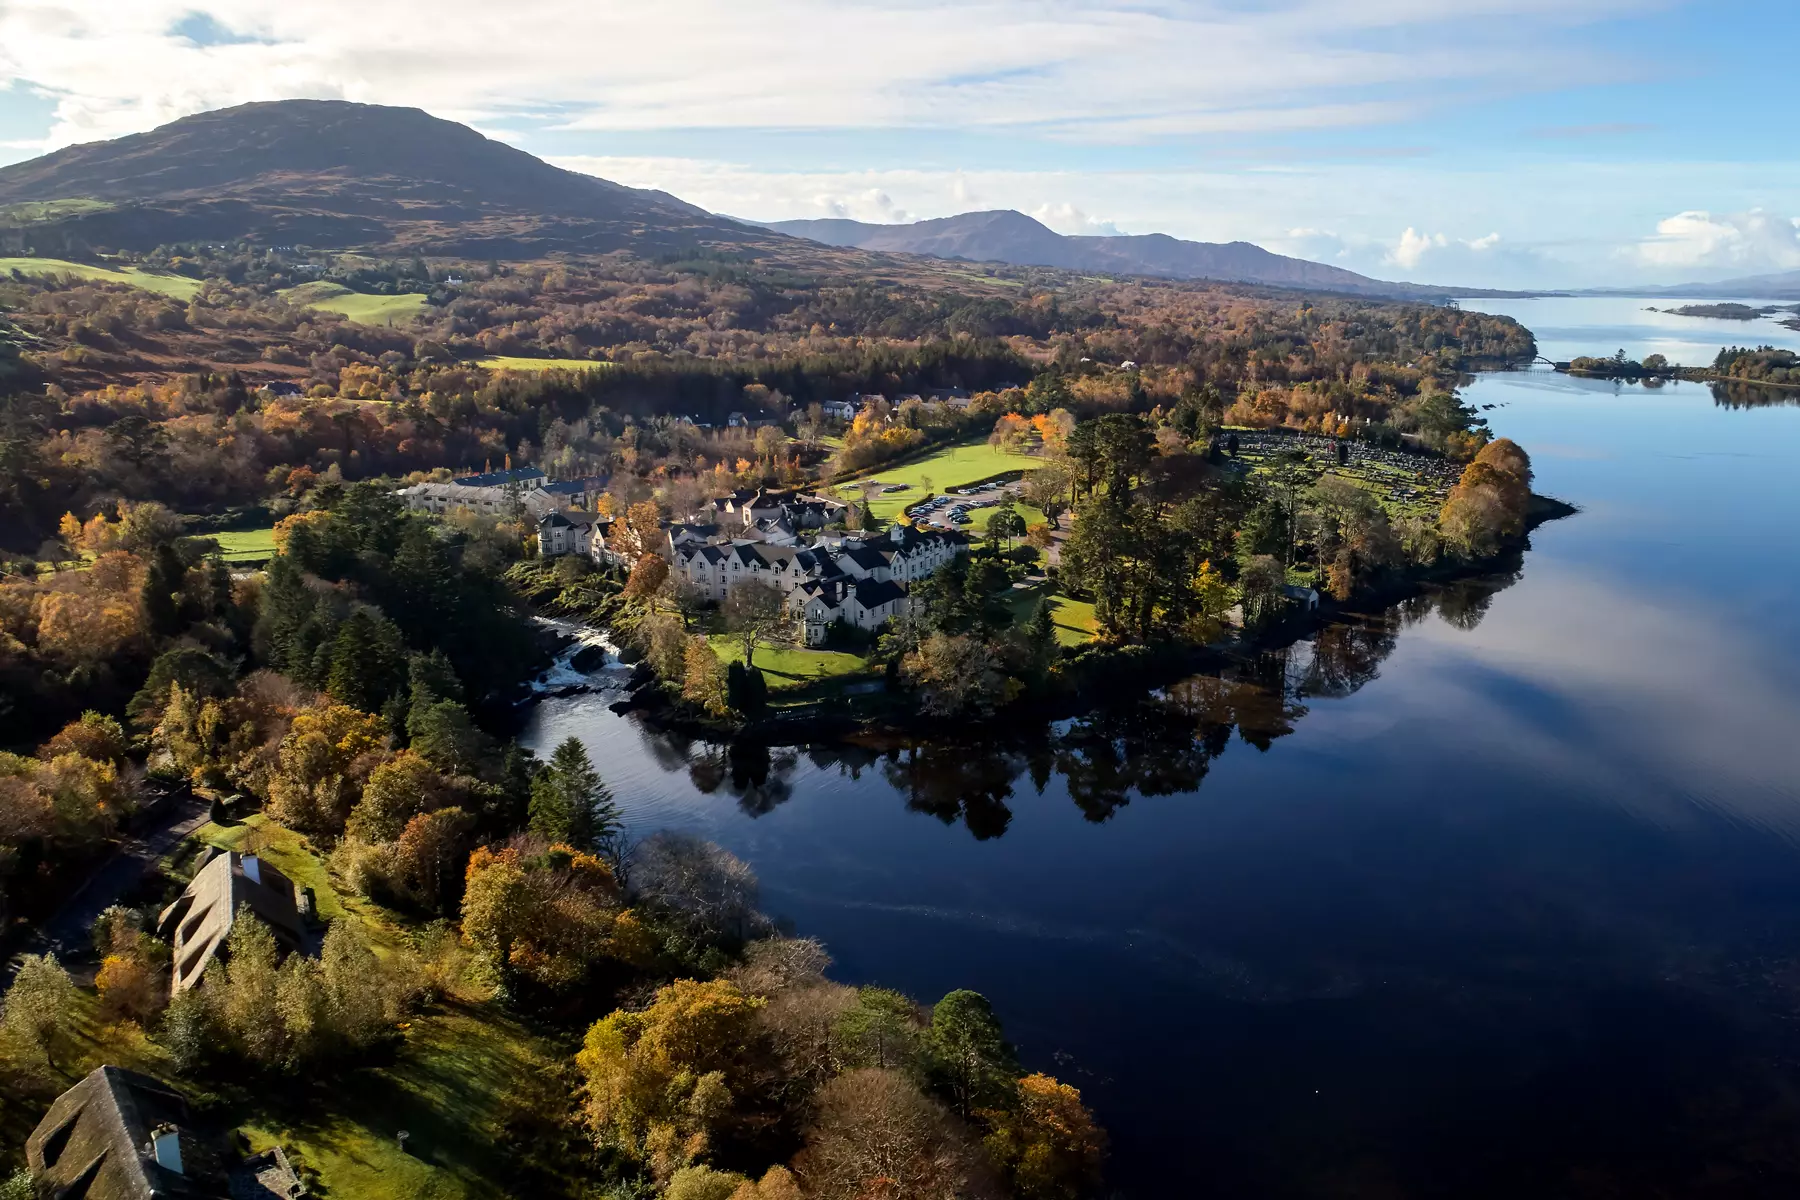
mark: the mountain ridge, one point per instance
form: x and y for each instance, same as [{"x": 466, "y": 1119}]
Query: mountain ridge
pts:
[{"x": 1005, "y": 235}]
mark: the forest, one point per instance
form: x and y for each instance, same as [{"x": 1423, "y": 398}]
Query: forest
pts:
[{"x": 113, "y": 394}]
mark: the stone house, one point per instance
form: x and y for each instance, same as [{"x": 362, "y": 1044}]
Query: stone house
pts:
[
  {"x": 119, "y": 1135},
  {"x": 229, "y": 886}
]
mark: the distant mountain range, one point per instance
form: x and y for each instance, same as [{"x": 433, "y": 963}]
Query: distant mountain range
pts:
[
  {"x": 1012, "y": 237},
  {"x": 1782, "y": 286},
  {"x": 332, "y": 174}
]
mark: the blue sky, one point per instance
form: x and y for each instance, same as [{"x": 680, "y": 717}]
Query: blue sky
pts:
[{"x": 1478, "y": 142}]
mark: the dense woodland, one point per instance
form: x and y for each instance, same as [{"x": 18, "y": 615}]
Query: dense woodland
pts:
[{"x": 114, "y": 393}]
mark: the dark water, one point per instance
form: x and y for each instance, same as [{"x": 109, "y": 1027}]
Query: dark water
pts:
[{"x": 1495, "y": 895}]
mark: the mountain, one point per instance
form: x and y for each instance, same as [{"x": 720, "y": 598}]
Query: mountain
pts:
[
  {"x": 1782, "y": 286},
  {"x": 1012, "y": 237},
  {"x": 332, "y": 173}
]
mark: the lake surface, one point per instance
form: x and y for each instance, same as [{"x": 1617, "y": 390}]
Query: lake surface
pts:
[{"x": 1496, "y": 895}]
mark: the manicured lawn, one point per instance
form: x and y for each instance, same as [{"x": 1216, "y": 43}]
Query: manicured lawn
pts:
[
  {"x": 178, "y": 286},
  {"x": 358, "y": 307},
  {"x": 246, "y": 545},
  {"x": 1075, "y": 624},
  {"x": 789, "y": 666},
  {"x": 509, "y": 363},
  {"x": 979, "y": 517},
  {"x": 951, "y": 467}
]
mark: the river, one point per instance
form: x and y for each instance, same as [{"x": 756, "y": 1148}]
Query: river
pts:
[{"x": 1494, "y": 895}]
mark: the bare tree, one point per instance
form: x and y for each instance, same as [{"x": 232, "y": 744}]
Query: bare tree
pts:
[
  {"x": 754, "y": 610},
  {"x": 876, "y": 1134},
  {"x": 715, "y": 889}
]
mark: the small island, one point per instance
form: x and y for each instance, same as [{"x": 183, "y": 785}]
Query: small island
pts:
[{"x": 1719, "y": 312}]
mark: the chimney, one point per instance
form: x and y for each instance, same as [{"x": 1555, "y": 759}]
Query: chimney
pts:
[
  {"x": 252, "y": 868},
  {"x": 165, "y": 1147}
]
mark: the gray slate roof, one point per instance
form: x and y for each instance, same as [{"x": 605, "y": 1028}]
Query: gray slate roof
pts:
[{"x": 94, "y": 1142}]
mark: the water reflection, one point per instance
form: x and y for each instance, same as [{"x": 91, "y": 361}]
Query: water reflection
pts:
[
  {"x": 1162, "y": 745},
  {"x": 1751, "y": 395}
]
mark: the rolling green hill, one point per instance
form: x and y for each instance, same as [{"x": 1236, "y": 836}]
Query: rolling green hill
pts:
[
  {"x": 178, "y": 286},
  {"x": 358, "y": 306}
]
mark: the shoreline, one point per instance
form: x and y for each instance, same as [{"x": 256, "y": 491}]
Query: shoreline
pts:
[{"x": 1111, "y": 676}]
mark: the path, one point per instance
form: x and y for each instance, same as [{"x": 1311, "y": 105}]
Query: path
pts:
[{"x": 69, "y": 934}]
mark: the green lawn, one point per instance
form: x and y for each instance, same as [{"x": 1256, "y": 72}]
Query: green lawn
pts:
[
  {"x": 363, "y": 309},
  {"x": 979, "y": 517},
  {"x": 178, "y": 286},
  {"x": 951, "y": 467},
  {"x": 446, "y": 1086},
  {"x": 246, "y": 545},
  {"x": 506, "y": 362},
  {"x": 286, "y": 851},
  {"x": 789, "y": 666},
  {"x": 1075, "y": 624}
]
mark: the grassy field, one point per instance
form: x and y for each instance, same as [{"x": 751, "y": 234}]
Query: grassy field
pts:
[
  {"x": 358, "y": 307},
  {"x": 446, "y": 1085},
  {"x": 178, "y": 286},
  {"x": 789, "y": 666},
  {"x": 1075, "y": 624},
  {"x": 246, "y": 545},
  {"x": 509, "y": 363},
  {"x": 52, "y": 210},
  {"x": 951, "y": 467}
]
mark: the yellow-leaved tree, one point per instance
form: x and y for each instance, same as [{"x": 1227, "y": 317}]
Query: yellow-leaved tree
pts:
[{"x": 659, "y": 1084}]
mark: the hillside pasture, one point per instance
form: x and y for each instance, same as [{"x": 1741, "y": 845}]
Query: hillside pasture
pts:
[
  {"x": 245, "y": 545},
  {"x": 506, "y": 362},
  {"x": 178, "y": 286},
  {"x": 362, "y": 308}
]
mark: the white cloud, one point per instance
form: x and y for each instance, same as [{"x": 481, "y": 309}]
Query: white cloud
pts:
[
  {"x": 1413, "y": 246},
  {"x": 1103, "y": 71},
  {"x": 1066, "y": 218},
  {"x": 1754, "y": 240}
]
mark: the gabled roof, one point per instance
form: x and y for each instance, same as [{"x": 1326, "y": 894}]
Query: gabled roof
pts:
[
  {"x": 94, "y": 1142},
  {"x": 497, "y": 478},
  {"x": 873, "y": 594},
  {"x": 866, "y": 557},
  {"x": 198, "y": 923}
]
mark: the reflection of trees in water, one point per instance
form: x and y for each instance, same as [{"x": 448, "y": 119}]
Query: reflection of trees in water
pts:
[
  {"x": 1750, "y": 395},
  {"x": 1150, "y": 748},
  {"x": 1465, "y": 603},
  {"x": 761, "y": 779},
  {"x": 952, "y": 781},
  {"x": 1162, "y": 745},
  {"x": 1346, "y": 655}
]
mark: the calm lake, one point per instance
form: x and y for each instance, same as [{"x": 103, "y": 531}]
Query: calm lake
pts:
[{"x": 1497, "y": 895}]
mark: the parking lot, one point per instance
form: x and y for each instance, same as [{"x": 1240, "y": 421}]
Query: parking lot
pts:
[{"x": 953, "y": 510}]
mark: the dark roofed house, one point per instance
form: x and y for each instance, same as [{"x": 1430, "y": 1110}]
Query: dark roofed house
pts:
[
  {"x": 522, "y": 475},
  {"x": 119, "y": 1135},
  {"x": 199, "y": 922}
]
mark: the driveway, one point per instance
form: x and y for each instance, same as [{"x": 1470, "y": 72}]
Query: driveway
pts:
[{"x": 69, "y": 934}]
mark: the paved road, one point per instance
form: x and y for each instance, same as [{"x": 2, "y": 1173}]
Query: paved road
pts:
[{"x": 69, "y": 934}]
